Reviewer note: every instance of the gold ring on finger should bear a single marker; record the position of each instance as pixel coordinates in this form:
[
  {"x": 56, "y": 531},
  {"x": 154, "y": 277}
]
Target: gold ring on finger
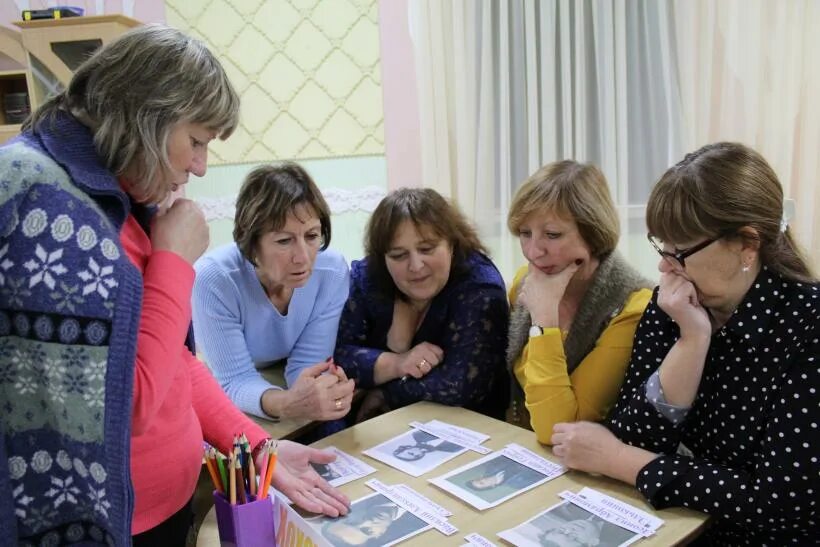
[{"x": 338, "y": 404}]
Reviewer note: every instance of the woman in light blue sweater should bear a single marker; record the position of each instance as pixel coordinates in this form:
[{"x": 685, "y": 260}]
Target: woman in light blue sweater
[{"x": 275, "y": 295}]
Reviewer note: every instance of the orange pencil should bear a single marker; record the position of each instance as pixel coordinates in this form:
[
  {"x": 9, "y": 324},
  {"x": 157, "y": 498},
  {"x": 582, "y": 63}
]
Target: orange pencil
[
  {"x": 269, "y": 472},
  {"x": 264, "y": 465},
  {"x": 232, "y": 480},
  {"x": 214, "y": 476}
]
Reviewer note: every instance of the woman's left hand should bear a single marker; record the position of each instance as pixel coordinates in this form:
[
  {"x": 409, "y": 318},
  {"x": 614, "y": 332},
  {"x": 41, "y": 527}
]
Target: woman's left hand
[
  {"x": 296, "y": 478},
  {"x": 585, "y": 446}
]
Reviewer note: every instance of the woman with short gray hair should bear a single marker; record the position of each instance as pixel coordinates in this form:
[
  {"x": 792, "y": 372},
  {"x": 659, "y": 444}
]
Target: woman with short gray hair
[{"x": 99, "y": 390}]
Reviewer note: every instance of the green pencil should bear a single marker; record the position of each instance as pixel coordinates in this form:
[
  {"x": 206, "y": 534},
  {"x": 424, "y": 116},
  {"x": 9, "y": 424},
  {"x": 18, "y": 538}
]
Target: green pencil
[{"x": 222, "y": 472}]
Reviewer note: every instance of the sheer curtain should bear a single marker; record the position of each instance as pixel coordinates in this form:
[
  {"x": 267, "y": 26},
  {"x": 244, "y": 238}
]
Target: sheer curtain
[
  {"x": 749, "y": 73},
  {"x": 506, "y": 86}
]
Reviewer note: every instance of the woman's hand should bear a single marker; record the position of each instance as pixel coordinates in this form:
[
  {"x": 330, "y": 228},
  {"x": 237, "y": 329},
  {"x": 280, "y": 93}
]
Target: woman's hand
[
  {"x": 591, "y": 447},
  {"x": 319, "y": 396},
  {"x": 541, "y": 293},
  {"x": 678, "y": 297},
  {"x": 296, "y": 478},
  {"x": 182, "y": 230},
  {"x": 585, "y": 446},
  {"x": 419, "y": 361}
]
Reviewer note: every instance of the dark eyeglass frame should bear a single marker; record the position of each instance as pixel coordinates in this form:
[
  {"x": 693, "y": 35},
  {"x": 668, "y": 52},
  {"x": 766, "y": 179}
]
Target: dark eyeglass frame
[{"x": 680, "y": 256}]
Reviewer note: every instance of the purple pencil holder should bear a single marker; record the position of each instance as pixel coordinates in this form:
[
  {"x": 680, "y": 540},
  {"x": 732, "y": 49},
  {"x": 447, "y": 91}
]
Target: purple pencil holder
[{"x": 246, "y": 525}]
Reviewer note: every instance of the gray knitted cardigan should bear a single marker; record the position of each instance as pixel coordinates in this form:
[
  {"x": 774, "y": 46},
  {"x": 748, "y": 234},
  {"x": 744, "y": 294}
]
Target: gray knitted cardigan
[{"x": 612, "y": 283}]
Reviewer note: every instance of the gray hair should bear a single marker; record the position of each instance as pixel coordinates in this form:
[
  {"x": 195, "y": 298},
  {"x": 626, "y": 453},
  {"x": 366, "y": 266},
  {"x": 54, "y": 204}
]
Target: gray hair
[{"x": 133, "y": 91}]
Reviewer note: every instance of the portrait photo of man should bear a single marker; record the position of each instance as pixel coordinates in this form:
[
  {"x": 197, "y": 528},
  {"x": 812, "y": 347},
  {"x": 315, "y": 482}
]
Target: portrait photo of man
[
  {"x": 373, "y": 520},
  {"x": 497, "y": 478},
  {"x": 415, "y": 452},
  {"x": 567, "y": 525},
  {"x": 423, "y": 444}
]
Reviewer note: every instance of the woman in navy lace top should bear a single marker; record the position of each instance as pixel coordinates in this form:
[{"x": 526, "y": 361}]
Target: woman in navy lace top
[
  {"x": 725, "y": 361},
  {"x": 426, "y": 319}
]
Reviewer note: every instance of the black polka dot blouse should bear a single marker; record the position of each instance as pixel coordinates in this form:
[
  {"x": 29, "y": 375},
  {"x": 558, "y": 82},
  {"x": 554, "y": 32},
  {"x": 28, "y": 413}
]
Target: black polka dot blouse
[{"x": 752, "y": 429}]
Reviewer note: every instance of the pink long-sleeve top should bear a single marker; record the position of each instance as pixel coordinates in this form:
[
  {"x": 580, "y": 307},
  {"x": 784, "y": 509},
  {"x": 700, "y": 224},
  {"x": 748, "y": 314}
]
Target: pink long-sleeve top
[{"x": 177, "y": 402}]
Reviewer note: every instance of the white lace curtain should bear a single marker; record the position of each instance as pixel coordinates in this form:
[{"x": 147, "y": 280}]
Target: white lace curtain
[{"x": 506, "y": 86}]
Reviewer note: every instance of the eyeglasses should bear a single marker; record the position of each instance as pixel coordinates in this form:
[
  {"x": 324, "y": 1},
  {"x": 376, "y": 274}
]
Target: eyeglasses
[{"x": 680, "y": 255}]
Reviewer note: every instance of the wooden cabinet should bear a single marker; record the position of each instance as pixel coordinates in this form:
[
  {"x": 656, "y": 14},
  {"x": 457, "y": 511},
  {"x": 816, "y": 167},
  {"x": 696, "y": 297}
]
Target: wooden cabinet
[
  {"x": 12, "y": 84},
  {"x": 49, "y": 50}
]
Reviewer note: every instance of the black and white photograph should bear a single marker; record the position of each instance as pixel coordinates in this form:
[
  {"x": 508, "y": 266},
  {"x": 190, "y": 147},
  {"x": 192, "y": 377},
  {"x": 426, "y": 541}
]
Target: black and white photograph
[
  {"x": 415, "y": 452},
  {"x": 373, "y": 520},
  {"x": 567, "y": 525},
  {"x": 326, "y": 471},
  {"x": 490, "y": 481},
  {"x": 343, "y": 470}
]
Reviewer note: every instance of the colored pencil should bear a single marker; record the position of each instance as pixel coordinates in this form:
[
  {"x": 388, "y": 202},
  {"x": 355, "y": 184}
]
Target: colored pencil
[
  {"x": 251, "y": 475},
  {"x": 212, "y": 471},
  {"x": 269, "y": 472},
  {"x": 220, "y": 465},
  {"x": 264, "y": 465},
  {"x": 240, "y": 483},
  {"x": 232, "y": 474}
]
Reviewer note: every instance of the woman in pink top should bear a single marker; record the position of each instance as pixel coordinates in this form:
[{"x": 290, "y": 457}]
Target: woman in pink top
[{"x": 116, "y": 277}]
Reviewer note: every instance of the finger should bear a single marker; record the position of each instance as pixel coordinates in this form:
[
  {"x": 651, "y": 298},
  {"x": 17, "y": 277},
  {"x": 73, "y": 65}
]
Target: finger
[
  {"x": 316, "y": 370},
  {"x": 341, "y": 390},
  {"x": 562, "y": 427},
  {"x": 339, "y": 372},
  {"x": 416, "y": 372},
  {"x": 437, "y": 352},
  {"x": 316, "y": 455},
  {"x": 308, "y": 502},
  {"x": 340, "y": 505},
  {"x": 334, "y": 494},
  {"x": 326, "y": 382}
]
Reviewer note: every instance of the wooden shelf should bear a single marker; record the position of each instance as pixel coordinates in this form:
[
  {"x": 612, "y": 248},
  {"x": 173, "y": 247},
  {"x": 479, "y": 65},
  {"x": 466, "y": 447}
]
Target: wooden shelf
[
  {"x": 11, "y": 81},
  {"x": 8, "y": 131},
  {"x": 57, "y": 46}
]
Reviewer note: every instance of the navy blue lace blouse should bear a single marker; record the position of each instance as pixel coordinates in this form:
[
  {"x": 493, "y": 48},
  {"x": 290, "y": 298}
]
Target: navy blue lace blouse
[{"x": 467, "y": 319}]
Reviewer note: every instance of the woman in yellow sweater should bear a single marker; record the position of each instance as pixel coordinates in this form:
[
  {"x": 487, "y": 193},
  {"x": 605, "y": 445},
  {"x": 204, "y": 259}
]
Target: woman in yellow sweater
[{"x": 575, "y": 305}]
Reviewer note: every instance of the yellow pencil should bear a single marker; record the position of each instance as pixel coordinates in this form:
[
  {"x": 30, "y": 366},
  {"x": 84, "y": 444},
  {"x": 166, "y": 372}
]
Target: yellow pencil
[{"x": 251, "y": 475}]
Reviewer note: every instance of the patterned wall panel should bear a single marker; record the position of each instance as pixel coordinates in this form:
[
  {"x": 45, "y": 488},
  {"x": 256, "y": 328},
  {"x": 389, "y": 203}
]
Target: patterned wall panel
[{"x": 307, "y": 71}]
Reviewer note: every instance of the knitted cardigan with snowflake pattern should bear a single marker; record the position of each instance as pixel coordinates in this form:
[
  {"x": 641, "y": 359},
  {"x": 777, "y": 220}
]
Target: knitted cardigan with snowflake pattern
[{"x": 69, "y": 315}]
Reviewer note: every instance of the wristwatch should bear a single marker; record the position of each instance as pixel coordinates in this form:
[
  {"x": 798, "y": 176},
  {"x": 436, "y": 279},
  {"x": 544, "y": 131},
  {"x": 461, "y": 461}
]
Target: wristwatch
[{"x": 536, "y": 330}]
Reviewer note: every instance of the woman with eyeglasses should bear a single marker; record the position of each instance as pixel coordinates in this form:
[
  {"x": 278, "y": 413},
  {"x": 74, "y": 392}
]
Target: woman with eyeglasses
[
  {"x": 575, "y": 305},
  {"x": 725, "y": 361},
  {"x": 275, "y": 297}
]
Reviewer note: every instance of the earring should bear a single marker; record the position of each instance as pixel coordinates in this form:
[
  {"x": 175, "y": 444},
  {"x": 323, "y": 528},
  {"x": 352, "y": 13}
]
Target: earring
[{"x": 745, "y": 268}]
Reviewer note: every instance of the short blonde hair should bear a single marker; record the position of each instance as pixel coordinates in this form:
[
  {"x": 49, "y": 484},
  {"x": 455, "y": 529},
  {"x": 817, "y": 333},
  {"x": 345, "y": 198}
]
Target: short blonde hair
[
  {"x": 133, "y": 91},
  {"x": 573, "y": 190}
]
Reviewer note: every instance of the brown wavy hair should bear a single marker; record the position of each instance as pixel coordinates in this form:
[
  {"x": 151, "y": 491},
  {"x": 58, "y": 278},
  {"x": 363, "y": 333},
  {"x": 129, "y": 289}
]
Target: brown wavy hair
[{"x": 427, "y": 210}]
